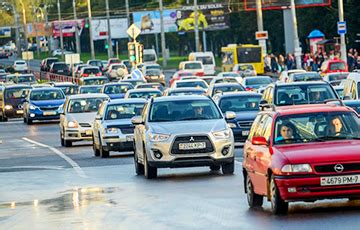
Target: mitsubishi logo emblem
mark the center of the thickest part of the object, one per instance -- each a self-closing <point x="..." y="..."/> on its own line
<point x="339" y="168"/>
<point x="192" y="139"/>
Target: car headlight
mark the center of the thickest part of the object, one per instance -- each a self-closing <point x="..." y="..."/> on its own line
<point x="232" y="125"/>
<point x="72" y="124"/>
<point x="298" y="168"/>
<point x="8" y="107"/>
<point x="155" y="137"/>
<point x="33" y="107"/>
<point x="111" y="130"/>
<point x="223" y="134"/>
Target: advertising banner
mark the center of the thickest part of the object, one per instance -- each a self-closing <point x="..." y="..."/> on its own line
<point x="5" y="32"/>
<point x="149" y="21"/>
<point x="118" y="28"/>
<point x="284" y="4"/>
<point x="38" y="29"/>
<point x="68" y="27"/>
<point x="213" y="16"/>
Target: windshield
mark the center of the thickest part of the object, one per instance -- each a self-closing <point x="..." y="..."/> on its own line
<point x="337" y="66"/>
<point x="68" y="90"/>
<point x="60" y="66"/>
<point x="337" y="77"/>
<point x="246" y="67"/>
<point x="195" y="84"/>
<point x="153" y="72"/>
<point x="303" y="94"/>
<point x="192" y="66"/>
<point x="152" y="86"/>
<point x="50" y="61"/>
<point x="340" y="92"/>
<point x="358" y="89"/>
<point x="16" y="93"/>
<point x="149" y="58"/>
<point x="96" y="63"/>
<point x="93" y="89"/>
<point x="230" y="75"/>
<point x="226" y="80"/>
<point x="85" y="105"/>
<point x="316" y="127"/>
<point x="239" y="104"/>
<point x="45" y="95"/>
<point x="117" y="89"/>
<point x="124" y="111"/>
<point x="101" y="81"/>
<point x="258" y="81"/>
<point x="91" y="71"/>
<point x="206" y="60"/>
<point x="228" y="88"/>
<point x="116" y="67"/>
<point x="187" y="92"/>
<point x="26" y="79"/>
<point x="145" y="95"/>
<point x="307" y="77"/>
<point x="184" y="110"/>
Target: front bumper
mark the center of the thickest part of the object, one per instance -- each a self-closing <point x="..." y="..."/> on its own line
<point x="169" y="159"/>
<point x="118" y="143"/>
<point x="43" y="115"/>
<point x="13" y="113"/>
<point x="240" y="134"/>
<point x="78" y="134"/>
<point x="309" y="188"/>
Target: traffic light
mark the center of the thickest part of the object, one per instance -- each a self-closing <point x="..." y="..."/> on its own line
<point x="106" y="46"/>
<point x="139" y="53"/>
<point x="131" y="50"/>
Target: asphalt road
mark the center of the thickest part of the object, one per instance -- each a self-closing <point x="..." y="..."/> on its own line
<point x="46" y="186"/>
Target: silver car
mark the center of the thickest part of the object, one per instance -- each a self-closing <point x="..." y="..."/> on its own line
<point x="76" y="121"/>
<point x="181" y="131"/>
<point x="113" y="130"/>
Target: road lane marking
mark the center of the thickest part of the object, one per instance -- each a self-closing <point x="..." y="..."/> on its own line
<point x="33" y="167"/>
<point x="238" y="162"/>
<point x="75" y="166"/>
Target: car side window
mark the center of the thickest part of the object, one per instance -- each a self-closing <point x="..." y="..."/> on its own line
<point x="264" y="96"/>
<point x="144" y="112"/>
<point x="255" y="126"/>
<point x="353" y="90"/>
<point x="267" y="124"/>
<point x="259" y="132"/>
<point x="102" y="109"/>
<point x="271" y="95"/>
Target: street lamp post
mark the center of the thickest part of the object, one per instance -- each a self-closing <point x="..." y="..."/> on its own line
<point x="342" y="35"/>
<point x="197" y="43"/>
<point x="296" y="36"/>
<point x="24" y="21"/>
<point x="60" y="28"/>
<point x="90" y="31"/>
<point x="110" y="47"/>
<point x="163" y="44"/>
<point x="77" y="36"/>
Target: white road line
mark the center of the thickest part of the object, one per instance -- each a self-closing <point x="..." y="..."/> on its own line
<point x="238" y="162"/>
<point x="75" y="166"/>
<point x="33" y="167"/>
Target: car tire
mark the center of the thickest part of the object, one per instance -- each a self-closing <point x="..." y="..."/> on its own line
<point x="103" y="152"/>
<point x="254" y="200"/>
<point x="139" y="168"/>
<point x="215" y="167"/>
<point x="278" y="205"/>
<point x="149" y="171"/>
<point x="24" y="119"/>
<point x="62" y="141"/>
<point x="228" y="168"/>
<point x="96" y="150"/>
<point x="28" y="121"/>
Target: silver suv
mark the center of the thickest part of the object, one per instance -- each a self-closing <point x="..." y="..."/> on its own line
<point x="181" y="131"/>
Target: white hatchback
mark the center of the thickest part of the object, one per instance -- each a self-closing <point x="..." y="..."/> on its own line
<point x="20" y="66"/>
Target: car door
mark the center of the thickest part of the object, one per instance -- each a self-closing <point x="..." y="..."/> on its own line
<point x="98" y="122"/>
<point x="139" y="135"/>
<point x="63" y="114"/>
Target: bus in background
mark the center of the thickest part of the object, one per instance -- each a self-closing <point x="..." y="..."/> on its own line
<point x="242" y="54"/>
<point x="207" y="59"/>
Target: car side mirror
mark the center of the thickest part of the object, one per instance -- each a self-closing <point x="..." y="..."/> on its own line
<point x="229" y="115"/>
<point x="259" y="141"/>
<point x="137" y="120"/>
<point x="263" y="102"/>
<point x="98" y="117"/>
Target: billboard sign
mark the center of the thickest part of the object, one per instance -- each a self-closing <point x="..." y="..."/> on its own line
<point x="250" y="5"/>
<point x="37" y="29"/>
<point x="5" y="32"/>
<point x="213" y="16"/>
<point x="68" y="27"/>
<point x="149" y="21"/>
<point x="118" y="28"/>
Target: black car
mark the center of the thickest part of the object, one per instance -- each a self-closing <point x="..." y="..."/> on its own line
<point x="46" y="63"/>
<point x="246" y="107"/>
<point x="60" y="68"/>
<point x="12" y="98"/>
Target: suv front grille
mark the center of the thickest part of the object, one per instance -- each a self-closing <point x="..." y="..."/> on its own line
<point x="330" y="168"/>
<point x="85" y="125"/>
<point x="186" y="139"/>
<point x="245" y="124"/>
<point x="49" y="108"/>
<point x="125" y="129"/>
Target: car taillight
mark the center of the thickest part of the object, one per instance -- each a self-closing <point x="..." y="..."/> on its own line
<point x="98" y="74"/>
<point x="85" y="75"/>
<point x="248" y="89"/>
<point x="199" y="74"/>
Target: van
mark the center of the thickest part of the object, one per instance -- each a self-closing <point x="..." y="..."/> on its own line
<point x="11" y="99"/>
<point x="352" y="87"/>
<point x="207" y="59"/>
<point x="149" y="56"/>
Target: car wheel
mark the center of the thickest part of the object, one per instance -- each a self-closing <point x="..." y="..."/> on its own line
<point x="24" y="119"/>
<point x="149" y="171"/>
<point x="278" y="205"/>
<point x="96" y="150"/>
<point x="62" y="141"/>
<point x="139" y="168"/>
<point x="28" y="121"/>
<point x="215" y="167"/>
<point x="228" y="168"/>
<point x="254" y="200"/>
<point x="103" y="152"/>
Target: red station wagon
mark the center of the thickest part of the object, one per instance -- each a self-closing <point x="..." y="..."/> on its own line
<point x="302" y="153"/>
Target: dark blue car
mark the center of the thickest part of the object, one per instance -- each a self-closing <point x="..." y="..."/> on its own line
<point x="354" y="104"/>
<point x="246" y="107"/>
<point x="43" y="104"/>
<point x="116" y="90"/>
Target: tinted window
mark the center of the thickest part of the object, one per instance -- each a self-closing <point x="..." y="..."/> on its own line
<point x="183" y="110"/>
<point x="238" y="104"/>
<point x="358" y="89"/>
<point x="258" y="81"/>
<point x="91" y="71"/>
<point x="307" y="77"/>
<point x="50" y="61"/>
<point x="191" y="84"/>
<point x="192" y="66"/>
<point x="93" y="89"/>
<point x="249" y="55"/>
<point x="116" y="89"/>
<point x="16" y="93"/>
<point x="145" y="95"/>
<point x="124" y="111"/>
<point x="230" y="88"/>
<point x="45" y="95"/>
<point x="60" y="66"/>
<point x="337" y="77"/>
<point x="205" y="60"/>
<point x="85" y="105"/>
<point x="26" y="79"/>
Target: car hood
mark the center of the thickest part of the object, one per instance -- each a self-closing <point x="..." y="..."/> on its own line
<point x="82" y="117"/>
<point x="49" y="103"/>
<point x="321" y="152"/>
<point x="118" y="122"/>
<point x="116" y="96"/>
<point x="246" y="116"/>
<point x="188" y="127"/>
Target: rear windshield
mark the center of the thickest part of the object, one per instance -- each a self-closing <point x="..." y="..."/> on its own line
<point x="45" y="95"/>
<point x="26" y="79"/>
<point x="149" y="58"/>
<point x="101" y="81"/>
<point x="230" y="88"/>
<point x="145" y="95"/>
<point x="307" y="77"/>
<point x="69" y="90"/>
<point x="337" y="66"/>
<point x="60" y="66"/>
<point x="206" y="60"/>
<point x="192" y="66"/>
<point x="96" y="63"/>
<point x="117" y="89"/>
<point x="241" y="103"/>
<point x="200" y="84"/>
<point x="20" y="63"/>
<point x="50" y="61"/>
<point x="258" y="81"/>
<point x="337" y="77"/>
<point x="91" y="71"/>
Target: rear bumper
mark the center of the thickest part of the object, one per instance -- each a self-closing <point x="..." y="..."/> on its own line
<point x="118" y="143"/>
<point x="80" y="134"/>
<point x="309" y="188"/>
<point x="13" y="113"/>
<point x="191" y="162"/>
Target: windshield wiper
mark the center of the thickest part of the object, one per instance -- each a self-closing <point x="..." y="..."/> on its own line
<point x="291" y="140"/>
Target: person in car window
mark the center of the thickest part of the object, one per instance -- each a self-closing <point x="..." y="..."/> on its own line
<point x="287" y="133"/>
<point x="315" y="96"/>
<point x="199" y="111"/>
<point x="336" y="127"/>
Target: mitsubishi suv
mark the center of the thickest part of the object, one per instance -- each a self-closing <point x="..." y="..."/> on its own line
<point x="182" y="131"/>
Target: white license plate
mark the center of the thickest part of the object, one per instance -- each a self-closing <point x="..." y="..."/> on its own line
<point x="49" y="113"/>
<point x="189" y="146"/>
<point x="88" y="132"/>
<point x="245" y="133"/>
<point x="19" y="112"/>
<point x="130" y="138"/>
<point x="60" y="71"/>
<point x="339" y="180"/>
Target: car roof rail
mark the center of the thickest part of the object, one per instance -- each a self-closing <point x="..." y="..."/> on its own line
<point x="331" y="101"/>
